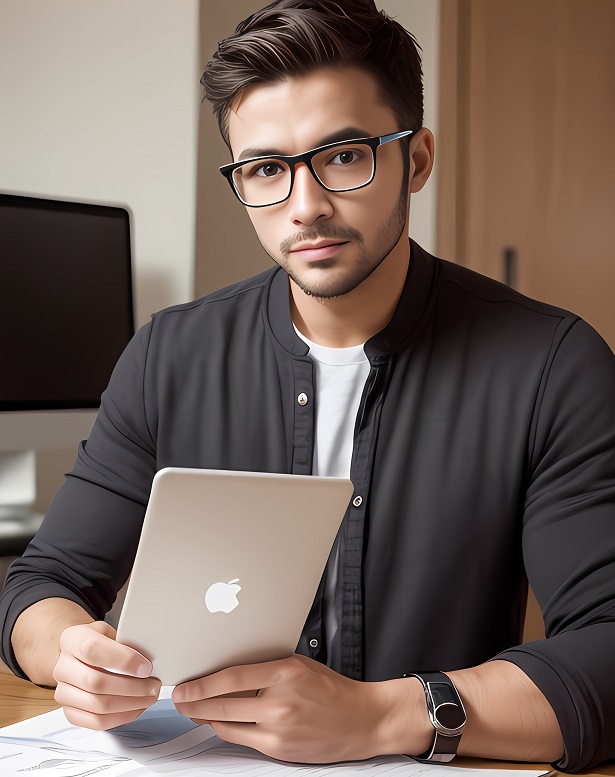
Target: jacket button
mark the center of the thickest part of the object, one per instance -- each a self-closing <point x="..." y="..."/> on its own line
<point x="313" y="643"/>
<point x="357" y="501"/>
<point x="302" y="399"/>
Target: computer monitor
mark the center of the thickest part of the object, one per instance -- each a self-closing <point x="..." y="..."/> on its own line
<point x="66" y="314"/>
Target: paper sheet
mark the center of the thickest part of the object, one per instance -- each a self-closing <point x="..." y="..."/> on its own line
<point x="162" y="741"/>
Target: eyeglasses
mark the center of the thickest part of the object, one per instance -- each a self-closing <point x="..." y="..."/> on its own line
<point x="338" y="167"/>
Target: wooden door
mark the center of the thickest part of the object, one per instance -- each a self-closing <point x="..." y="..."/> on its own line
<point x="527" y="153"/>
<point x="527" y="147"/>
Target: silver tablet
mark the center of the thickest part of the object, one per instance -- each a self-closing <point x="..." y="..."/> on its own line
<point x="227" y="567"/>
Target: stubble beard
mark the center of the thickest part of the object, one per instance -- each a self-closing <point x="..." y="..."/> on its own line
<point x="389" y="233"/>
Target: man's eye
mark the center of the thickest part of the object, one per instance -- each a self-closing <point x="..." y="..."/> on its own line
<point x="268" y="170"/>
<point x="345" y="157"/>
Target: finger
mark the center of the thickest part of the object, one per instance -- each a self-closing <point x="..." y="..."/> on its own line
<point x="94" y="644"/>
<point x="100" y="722"/>
<point x="103" y="628"/>
<point x="100" y="704"/>
<point x="248" y="735"/>
<point x="74" y="672"/>
<point x="269" y="743"/>
<point x="236" y="710"/>
<point x="234" y="679"/>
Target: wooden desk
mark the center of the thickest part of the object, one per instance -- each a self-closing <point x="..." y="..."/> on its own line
<point x="20" y="699"/>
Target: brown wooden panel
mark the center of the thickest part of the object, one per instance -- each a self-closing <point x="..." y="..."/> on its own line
<point x="534" y="123"/>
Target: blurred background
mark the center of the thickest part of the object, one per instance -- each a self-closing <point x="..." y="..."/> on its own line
<point x="100" y="101"/>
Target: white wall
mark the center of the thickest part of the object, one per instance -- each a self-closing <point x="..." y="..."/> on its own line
<point x="422" y="18"/>
<point x="99" y="101"/>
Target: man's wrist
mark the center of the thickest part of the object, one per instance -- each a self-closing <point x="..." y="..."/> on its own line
<point x="36" y="636"/>
<point x="404" y="727"/>
<point x="446" y="714"/>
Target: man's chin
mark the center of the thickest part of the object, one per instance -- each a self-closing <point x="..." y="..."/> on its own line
<point x="326" y="289"/>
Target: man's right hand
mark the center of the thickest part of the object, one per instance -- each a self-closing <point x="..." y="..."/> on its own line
<point x="100" y="682"/>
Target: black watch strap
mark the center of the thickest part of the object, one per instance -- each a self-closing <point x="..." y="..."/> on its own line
<point x="446" y="713"/>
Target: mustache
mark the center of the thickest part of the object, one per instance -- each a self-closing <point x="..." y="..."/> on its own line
<point x="320" y="231"/>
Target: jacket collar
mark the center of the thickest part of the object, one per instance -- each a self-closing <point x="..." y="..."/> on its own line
<point x="403" y="327"/>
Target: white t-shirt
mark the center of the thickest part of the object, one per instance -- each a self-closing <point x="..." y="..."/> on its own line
<point x="340" y="378"/>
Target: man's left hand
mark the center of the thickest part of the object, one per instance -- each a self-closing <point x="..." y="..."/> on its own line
<point x="304" y="711"/>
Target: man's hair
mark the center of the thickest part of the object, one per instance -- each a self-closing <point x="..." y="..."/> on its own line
<point x="295" y="37"/>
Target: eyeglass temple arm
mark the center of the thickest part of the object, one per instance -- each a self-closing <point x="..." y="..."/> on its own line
<point x="395" y="136"/>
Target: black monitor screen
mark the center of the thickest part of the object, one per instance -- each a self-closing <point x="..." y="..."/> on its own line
<point x="65" y="301"/>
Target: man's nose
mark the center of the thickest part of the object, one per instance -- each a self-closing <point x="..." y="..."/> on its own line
<point x="309" y="202"/>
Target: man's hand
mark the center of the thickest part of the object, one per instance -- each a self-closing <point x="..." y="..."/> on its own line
<point x="304" y="711"/>
<point x="101" y="683"/>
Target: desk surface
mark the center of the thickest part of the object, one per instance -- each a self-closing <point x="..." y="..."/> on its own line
<point x="20" y="699"/>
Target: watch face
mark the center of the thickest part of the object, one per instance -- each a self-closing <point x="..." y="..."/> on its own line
<point x="449" y="715"/>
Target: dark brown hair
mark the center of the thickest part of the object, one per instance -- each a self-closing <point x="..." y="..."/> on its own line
<point x="294" y="37"/>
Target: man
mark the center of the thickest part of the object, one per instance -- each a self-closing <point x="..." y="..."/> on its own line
<point x="477" y="426"/>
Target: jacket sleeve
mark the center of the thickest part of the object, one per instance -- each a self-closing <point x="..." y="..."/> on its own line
<point x="87" y="542"/>
<point x="569" y="545"/>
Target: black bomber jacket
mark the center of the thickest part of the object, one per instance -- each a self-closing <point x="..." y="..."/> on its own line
<point x="484" y="456"/>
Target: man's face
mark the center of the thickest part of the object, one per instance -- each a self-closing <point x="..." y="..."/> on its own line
<point x="327" y="242"/>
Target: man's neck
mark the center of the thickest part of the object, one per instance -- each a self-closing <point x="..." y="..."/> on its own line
<point x="353" y="318"/>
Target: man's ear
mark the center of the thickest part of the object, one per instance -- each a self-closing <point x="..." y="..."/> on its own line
<point x="422" y="150"/>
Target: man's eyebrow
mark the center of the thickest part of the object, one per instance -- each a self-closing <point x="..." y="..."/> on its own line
<point x="348" y="133"/>
<point x="249" y="153"/>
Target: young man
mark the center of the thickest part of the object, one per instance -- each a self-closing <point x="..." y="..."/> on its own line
<point x="477" y="426"/>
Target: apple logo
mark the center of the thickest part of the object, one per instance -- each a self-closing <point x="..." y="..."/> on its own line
<point x="222" y="597"/>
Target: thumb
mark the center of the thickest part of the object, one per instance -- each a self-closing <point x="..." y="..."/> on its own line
<point x="104" y="628"/>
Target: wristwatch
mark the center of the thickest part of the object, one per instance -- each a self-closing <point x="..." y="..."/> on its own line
<point x="446" y="714"/>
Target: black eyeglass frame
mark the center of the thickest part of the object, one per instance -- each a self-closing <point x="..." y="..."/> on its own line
<point x="293" y="161"/>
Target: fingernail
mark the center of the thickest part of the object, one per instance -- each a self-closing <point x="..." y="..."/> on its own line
<point x="144" y="670"/>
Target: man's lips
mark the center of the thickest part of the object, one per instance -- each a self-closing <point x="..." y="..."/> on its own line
<point x="320" y="250"/>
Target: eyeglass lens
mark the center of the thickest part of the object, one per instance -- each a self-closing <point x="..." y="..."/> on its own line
<point x="340" y="169"/>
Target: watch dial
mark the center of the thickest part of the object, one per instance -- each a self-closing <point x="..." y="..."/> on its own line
<point x="449" y="715"/>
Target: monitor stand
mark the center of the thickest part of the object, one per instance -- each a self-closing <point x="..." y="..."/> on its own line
<point x="18" y="521"/>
